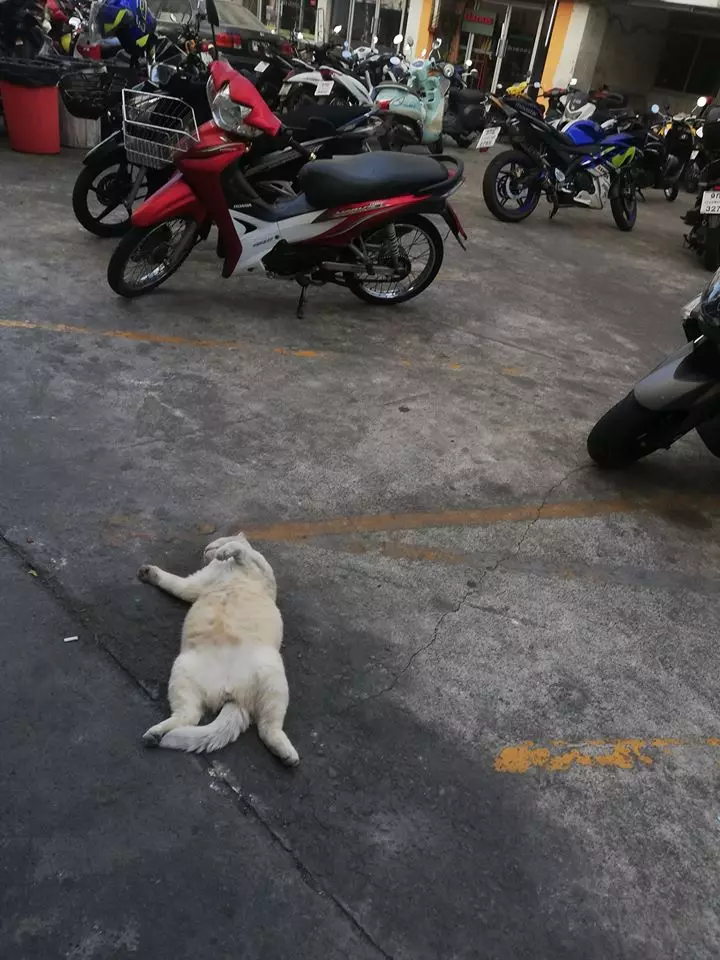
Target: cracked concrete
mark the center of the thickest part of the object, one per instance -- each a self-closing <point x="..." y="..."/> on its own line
<point x="136" y="432"/>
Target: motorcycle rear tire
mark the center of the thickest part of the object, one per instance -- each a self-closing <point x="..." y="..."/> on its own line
<point x="359" y="287"/>
<point x="624" y="434"/>
<point x="436" y="147"/>
<point x="490" y="192"/>
<point x="671" y="192"/>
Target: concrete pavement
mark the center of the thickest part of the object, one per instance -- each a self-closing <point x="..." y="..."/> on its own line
<point x="455" y="578"/>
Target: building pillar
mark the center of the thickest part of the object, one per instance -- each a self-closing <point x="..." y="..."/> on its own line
<point x="575" y="44"/>
<point x="418" y="25"/>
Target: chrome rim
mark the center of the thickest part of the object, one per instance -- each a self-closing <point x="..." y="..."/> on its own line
<point x="158" y="252"/>
<point x="108" y="192"/>
<point x="410" y="253"/>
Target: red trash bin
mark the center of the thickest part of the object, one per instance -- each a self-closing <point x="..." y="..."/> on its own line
<point x="32" y="117"/>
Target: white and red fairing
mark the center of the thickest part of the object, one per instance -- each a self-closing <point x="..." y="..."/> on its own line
<point x="196" y="192"/>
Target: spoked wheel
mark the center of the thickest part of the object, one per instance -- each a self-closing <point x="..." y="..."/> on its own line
<point x="624" y="205"/>
<point x="100" y="194"/>
<point x="412" y="248"/>
<point x="147" y="256"/>
<point x="510" y="188"/>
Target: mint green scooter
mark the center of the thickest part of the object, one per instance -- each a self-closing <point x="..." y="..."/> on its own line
<point x="415" y="109"/>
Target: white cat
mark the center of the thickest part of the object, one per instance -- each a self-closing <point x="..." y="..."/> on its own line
<point x="229" y="657"/>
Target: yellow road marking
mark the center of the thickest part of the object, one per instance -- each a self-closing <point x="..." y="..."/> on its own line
<point x="198" y="342"/>
<point x="560" y="756"/>
<point x="480" y="516"/>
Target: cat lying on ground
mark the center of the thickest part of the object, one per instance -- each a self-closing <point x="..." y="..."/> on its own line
<point x="229" y="657"/>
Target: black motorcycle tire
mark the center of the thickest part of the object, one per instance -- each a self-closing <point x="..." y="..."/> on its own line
<point x="81" y="209"/>
<point x="463" y="139"/>
<point x="490" y="193"/>
<point x="436" y="147"/>
<point x="711" y="249"/>
<point x="671" y="192"/>
<point x="623" y="220"/>
<point x="356" y="286"/>
<point x="623" y="435"/>
<point x="692" y="177"/>
<point x="123" y="253"/>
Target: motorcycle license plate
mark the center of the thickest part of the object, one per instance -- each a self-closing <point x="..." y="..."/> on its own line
<point x="323" y="88"/>
<point x="487" y="138"/>
<point x="694" y="154"/>
<point x="262" y="66"/>
<point x="710" y="202"/>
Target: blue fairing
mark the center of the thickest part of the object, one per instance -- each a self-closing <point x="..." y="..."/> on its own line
<point x="584" y="132"/>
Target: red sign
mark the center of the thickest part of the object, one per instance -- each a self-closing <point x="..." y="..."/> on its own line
<point x="479" y="18"/>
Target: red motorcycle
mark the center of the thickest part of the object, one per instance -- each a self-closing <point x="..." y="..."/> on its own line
<point x="359" y="221"/>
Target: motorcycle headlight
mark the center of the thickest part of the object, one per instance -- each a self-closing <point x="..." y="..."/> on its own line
<point x="231" y="116"/>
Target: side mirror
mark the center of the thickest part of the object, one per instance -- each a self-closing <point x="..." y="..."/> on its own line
<point x="395" y="61"/>
<point x="337" y="29"/>
<point x="702" y="101"/>
<point x="573" y="82"/>
<point x="437" y="43"/>
<point x="212" y="14"/>
<point x="468" y="63"/>
<point x="655" y="108"/>
<point x="398" y="38"/>
<point x="536" y="85"/>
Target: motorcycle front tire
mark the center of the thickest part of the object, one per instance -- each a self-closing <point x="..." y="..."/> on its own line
<point x="436" y="147"/>
<point x="463" y="139"/>
<point x="671" y="192"/>
<point x="490" y="190"/>
<point x="628" y="432"/>
<point x="82" y="188"/>
<point x="624" y="213"/>
<point x="711" y="250"/>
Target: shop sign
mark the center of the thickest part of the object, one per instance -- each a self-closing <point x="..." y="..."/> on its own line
<point x="480" y="22"/>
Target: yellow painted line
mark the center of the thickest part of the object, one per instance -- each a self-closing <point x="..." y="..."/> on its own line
<point x="481" y="516"/>
<point x="204" y="343"/>
<point x="561" y="756"/>
<point x="141" y="337"/>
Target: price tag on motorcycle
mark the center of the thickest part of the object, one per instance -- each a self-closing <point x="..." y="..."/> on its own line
<point x="262" y="66"/>
<point x="487" y="138"/>
<point x="206" y="58"/>
<point x="323" y="88"/>
<point x="693" y="155"/>
<point x="710" y="202"/>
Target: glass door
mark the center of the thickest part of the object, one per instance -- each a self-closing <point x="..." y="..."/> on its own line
<point x="518" y="44"/>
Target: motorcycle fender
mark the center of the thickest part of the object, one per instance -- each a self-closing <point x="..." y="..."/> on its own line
<point x="106" y="149"/>
<point x="685" y="379"/>
<point x="175" y="199"/>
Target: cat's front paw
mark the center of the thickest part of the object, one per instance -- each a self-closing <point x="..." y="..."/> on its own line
<point x="147" y="574"/>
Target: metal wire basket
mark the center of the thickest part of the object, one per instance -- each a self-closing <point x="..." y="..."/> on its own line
<point x="156" y="128"/>
<point x="89" y="93"/>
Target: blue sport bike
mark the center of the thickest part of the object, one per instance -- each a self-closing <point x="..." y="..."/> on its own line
<point x="581" y="166"/>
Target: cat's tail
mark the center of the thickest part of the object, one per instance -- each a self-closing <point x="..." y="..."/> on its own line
<point x="225" y="728"/>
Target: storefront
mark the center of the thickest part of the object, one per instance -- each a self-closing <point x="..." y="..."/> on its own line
<point x="503" y="40"/>
<point x="657" y="51"/>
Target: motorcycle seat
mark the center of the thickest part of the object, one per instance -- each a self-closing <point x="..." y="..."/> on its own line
<point x="316" y="119"/>
<point x="367" y="176"/>
<point x="466" y="97"/>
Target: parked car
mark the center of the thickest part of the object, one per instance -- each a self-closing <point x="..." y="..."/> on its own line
<point x="240" y="37"/>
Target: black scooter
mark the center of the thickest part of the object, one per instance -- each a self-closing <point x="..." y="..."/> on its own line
<point x="704" y="218"/>
<point x="681" y="394"/>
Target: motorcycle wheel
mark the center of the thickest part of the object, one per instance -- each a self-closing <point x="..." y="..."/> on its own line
<point x="109" y="184"/>
<point x="419" y="253"/>
<point x="148" y="256"/>
<point x="464" y="139"/>
<point x="711" y="250"/>
<point x="436" y="147"/>
<point x="628" y="432"/>
<point x="500" y="187"/>
<point x="624" y="205"/>
<point x="671" y="193"/>
<point x="692" y="177"/>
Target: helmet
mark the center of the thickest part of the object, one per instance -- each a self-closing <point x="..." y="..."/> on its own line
<point x="128" y="20"/>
